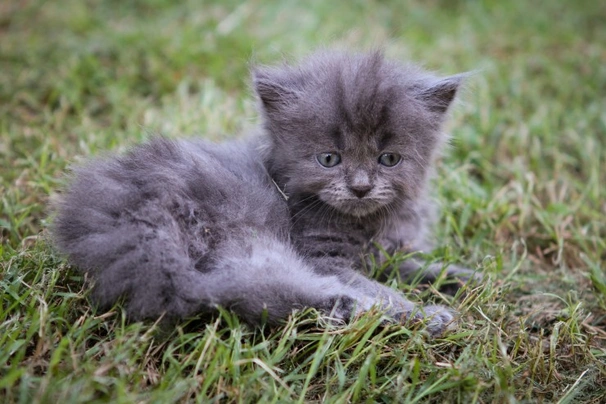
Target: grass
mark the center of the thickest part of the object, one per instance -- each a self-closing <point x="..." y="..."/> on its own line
<point x="522" y="190"/>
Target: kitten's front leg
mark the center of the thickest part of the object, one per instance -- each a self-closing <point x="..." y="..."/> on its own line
<point x="437" y="318"/>
<point x="456" y="276"/>
<point x="366" y="293"/>
<point x="276" y="282"/>
<point x="415" y="269"/>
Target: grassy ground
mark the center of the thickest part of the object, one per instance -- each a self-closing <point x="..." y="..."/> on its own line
<point x="523" y="190"/>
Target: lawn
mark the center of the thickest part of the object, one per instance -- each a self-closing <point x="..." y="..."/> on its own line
<point x="522" y="190"/>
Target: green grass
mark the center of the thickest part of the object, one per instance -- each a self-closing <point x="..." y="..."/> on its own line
<point x="523" y="191"/>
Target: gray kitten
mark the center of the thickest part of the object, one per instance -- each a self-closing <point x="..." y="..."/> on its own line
<point x="278" y="222"/>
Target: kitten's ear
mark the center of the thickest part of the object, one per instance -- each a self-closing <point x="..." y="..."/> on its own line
<point x="273" y="92"/>
<point x="439" y="95"/>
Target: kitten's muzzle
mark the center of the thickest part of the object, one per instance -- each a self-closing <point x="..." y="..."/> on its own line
<point x="360" y="191"/>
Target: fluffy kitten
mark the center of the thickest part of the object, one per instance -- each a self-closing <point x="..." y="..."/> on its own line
<point x="181" y="227"/>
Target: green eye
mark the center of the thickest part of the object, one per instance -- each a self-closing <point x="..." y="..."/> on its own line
<point x="389" y="159"/>
<point x="328" y="159"/>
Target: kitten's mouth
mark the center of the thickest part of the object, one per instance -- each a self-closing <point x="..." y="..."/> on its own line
<point x="356" y="207"/>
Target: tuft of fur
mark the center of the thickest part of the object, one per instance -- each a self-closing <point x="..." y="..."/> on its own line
<point x="176" y="228"/>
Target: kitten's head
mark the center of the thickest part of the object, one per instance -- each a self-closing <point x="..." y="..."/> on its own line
<point x="358" y="131"/>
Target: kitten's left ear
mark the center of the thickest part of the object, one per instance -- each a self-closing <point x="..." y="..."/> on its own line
<point x="439" y="95"/>
<point x="273" y="89"/>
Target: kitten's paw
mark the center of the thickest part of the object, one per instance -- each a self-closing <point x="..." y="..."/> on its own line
<point x="437" y="319"/>
<point x="340" y="308"/>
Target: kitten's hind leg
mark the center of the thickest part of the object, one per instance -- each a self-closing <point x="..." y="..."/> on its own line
<point x="138" y="258"/>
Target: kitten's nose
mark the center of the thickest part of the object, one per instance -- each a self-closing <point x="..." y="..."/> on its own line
<point x="360" y="190"/>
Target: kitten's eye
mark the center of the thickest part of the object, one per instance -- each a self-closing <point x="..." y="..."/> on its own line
<point x="328" y="159"/>
<point x="389" y="159"/>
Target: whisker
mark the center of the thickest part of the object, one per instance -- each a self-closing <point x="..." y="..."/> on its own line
<point x="300" y="214"/>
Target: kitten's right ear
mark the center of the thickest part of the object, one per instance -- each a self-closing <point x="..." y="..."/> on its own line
<point x="273" y="94"/>
<point x="439" y="95"/>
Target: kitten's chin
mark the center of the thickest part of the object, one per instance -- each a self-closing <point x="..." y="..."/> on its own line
<point x="358" y="207"/>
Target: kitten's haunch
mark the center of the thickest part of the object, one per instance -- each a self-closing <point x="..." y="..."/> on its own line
<point x="180" y="227"/>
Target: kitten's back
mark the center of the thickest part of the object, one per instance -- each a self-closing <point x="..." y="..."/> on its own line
<point x="146" y="225"/>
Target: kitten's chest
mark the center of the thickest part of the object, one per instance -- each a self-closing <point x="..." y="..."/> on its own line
<point x="320" y="234"/>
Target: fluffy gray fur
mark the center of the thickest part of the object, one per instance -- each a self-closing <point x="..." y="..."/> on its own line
<point x="177" y="228"/>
